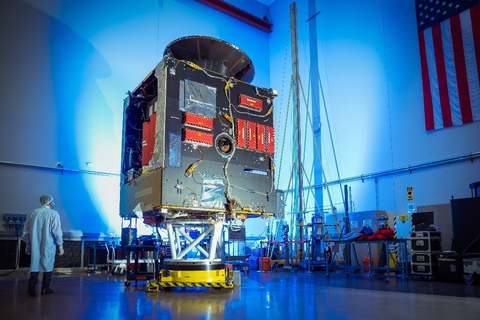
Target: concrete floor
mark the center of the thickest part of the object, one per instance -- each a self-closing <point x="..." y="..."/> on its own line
<point x="271" y="295"/>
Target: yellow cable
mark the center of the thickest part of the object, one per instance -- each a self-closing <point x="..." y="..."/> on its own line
<point x="243" y="224"/>
<point x="194" y="165"/>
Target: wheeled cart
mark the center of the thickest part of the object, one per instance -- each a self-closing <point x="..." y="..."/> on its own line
<point x="139" y="269"/>
<point x="471" y="270"/>
<point x="449" y="267"/>
<point x="401" y="266"/>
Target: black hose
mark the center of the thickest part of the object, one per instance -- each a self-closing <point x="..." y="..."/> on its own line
<point x="17" y="260"/>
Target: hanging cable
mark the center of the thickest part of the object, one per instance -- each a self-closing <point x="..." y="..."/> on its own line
<point x="327" y="118"/>
<point x="225" y="167"/>
<point x="285" y="133"/>
<point x="194" y="165"/>
<point x="318" y="153"/>
<point x="17" y="259"/>
<point x="389" y="106"/>
<point x="330" y="129"/>
<point x="237" y="229"/>
<point x="284" y="77"/>
<point x="328" y="121"/>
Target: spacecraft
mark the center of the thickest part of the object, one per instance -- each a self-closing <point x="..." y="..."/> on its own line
<point x="198" y="152"/>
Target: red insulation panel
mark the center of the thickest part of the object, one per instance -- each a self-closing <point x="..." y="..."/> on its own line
<point x="250" y="103"/>
<point x="148" y="139"/>
<point x="260" y="128"/>
<point x="270" y="140"/>
<point x="198" y="121"/>
<point x="251" y="136"/>
<point x="242" y="133"/>
<point x="146" y="143"/>
<point x="195" y="136"/>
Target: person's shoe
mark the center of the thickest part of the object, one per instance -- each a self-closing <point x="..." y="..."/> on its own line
<point x="47" y="291"/>
<point x="32" y="290"/>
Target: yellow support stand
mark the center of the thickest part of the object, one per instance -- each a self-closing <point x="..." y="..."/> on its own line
<point x="196" y="278"/>
<point x="193" y="274"/>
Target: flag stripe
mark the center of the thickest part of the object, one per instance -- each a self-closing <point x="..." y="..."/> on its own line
<point x="441" y="74"/>
<point x="470" y="60"/>
<point x="475" y="20"/>
<point x="461" y="70"/>
<point x="475" y="87"/>
<point x="427" y="94"/>
<point x="432" y="78"/>
<point x="451" y="73"/>
<point x="449" y="42"/>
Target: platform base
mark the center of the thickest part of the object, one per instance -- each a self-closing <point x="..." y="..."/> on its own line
<point x="186" y="274"/>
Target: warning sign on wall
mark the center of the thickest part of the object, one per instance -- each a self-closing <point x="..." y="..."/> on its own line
<point x="409" y="193"/>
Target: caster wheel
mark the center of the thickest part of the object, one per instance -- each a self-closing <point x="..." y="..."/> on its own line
<point x="387" y="280"/>
<point x="328" y="276"/>
<point x="468" y="278"/>
<point x="127" y="283"/>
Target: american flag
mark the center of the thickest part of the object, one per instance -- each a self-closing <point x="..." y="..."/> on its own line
<point x="449" y="38"/>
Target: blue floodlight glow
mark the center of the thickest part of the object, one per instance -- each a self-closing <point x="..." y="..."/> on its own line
<point x="86" y="132"/>
<point x="96" y="55"/>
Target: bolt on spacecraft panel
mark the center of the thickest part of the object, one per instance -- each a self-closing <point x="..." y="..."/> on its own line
<point x="196" y="139"/>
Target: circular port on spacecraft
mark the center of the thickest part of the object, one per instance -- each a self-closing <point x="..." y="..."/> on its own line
<point x="224" y="145"/>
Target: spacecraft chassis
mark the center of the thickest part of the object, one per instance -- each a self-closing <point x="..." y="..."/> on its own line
<point x="164" y="186"/>
<point x="198" y="151"/>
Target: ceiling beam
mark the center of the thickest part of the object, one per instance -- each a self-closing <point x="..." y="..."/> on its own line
<point x="239" y="14"/>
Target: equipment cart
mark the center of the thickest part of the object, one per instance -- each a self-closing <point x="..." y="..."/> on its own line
<point x="401" y="265"/>
<point x="136" y="271"/>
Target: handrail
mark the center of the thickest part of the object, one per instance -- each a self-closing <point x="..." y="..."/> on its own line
<point x="466" y="156"/>
<point x="62" y="169"/>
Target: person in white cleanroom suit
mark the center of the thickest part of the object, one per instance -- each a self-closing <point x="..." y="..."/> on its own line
<point x="42" y="234"/>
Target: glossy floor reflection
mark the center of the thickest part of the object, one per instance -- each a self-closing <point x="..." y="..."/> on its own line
<point x="271" y="295"/>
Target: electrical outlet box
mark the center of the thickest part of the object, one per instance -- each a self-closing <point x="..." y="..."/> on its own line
<point x="14" y="222"/>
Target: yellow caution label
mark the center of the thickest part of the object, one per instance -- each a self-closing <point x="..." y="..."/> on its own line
<point x="177" y="284"/>
<point x="153" y="286"/>
<point x="403" y="218"/>
<point x="196" y="278"/>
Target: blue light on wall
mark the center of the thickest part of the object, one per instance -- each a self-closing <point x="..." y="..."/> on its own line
<point x="99" y="53"/>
